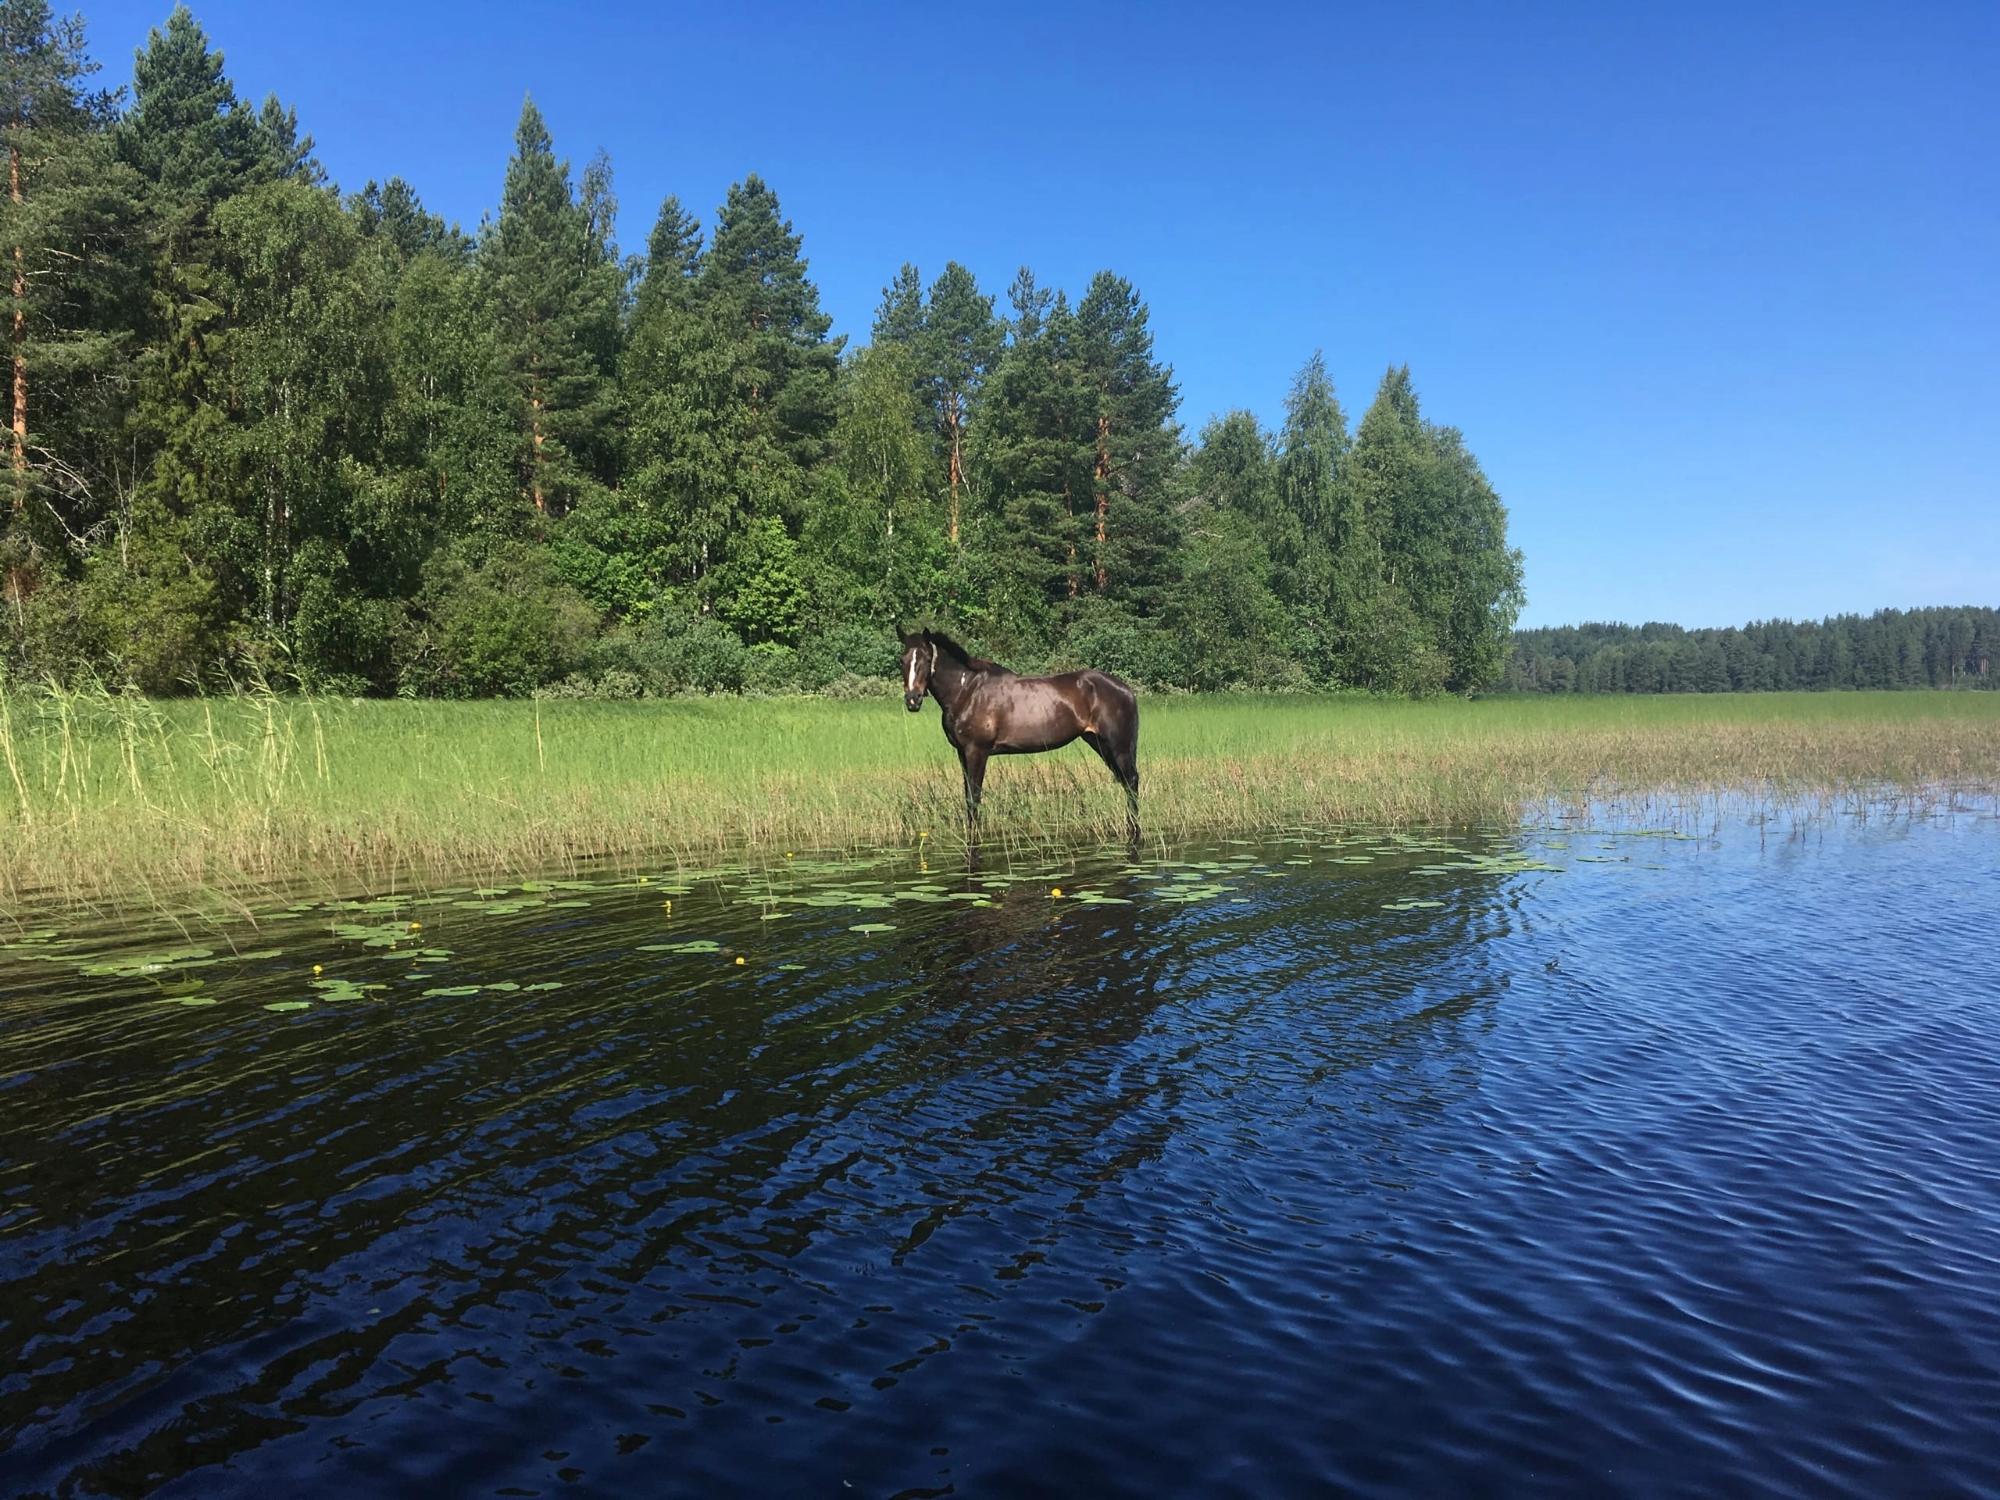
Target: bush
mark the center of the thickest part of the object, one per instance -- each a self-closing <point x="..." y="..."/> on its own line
<point x="42" y="630"/>
<point x="1112" y="643"/>
<point x="153" y="616"/>
<point x="503" y="628"/>
<point x="611" y="686"/>
<point x="849" y="649"/>
<point x="848" y="686"/>
<point x="342" y="640"/>
<point x="706" y="657"/>
<point x="771" y="669"/>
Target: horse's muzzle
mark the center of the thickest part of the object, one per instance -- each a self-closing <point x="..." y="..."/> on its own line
<point x="913" y="701"/>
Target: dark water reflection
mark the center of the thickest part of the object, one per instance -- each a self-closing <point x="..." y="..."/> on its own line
<point x="1673" y="1170"/>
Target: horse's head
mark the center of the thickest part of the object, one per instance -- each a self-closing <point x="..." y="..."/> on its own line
<point x="919" y="656"/>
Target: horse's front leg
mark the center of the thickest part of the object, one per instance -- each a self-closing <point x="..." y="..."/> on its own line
<point x="973" y="759"/>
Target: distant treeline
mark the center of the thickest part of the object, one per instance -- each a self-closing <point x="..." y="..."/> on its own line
<point x="1892" y="648"/>
<point x="262" y="428"/>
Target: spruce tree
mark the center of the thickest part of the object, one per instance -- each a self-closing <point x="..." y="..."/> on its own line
<point x="900" y="318"/>
<point x="959" y="345"/>
<point x="554" y="284"/>
<point x="194" y="146"/>
<point x="1134" y="443"/>
<point x="187" y="135"/>
<point x="673" y="261"/>
<point x="686" y="427"/>
<point x="1034" y="438"/>
<point x="754" y="283"/>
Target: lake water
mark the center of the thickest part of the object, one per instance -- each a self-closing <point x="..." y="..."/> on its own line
<point x="1555" y="1161"/>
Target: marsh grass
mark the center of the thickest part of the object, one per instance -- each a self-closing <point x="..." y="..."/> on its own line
<point x="123" y="802"/>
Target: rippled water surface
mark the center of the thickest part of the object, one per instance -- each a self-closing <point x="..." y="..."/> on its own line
<point x="1554" y="1161"/>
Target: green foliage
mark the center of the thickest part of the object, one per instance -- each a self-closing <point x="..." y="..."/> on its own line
<point x="333" y="438"/>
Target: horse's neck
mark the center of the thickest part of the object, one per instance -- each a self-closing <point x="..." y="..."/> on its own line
<point x="949" y="682"/>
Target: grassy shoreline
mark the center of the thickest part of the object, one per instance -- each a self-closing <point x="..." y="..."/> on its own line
<point x="131" y="803"/>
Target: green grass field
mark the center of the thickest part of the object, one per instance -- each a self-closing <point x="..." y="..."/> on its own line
<point x="130" y="802"/>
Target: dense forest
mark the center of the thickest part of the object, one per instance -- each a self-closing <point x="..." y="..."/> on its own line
<point x="1937" y="648"/>
<point x="262" y="429"/>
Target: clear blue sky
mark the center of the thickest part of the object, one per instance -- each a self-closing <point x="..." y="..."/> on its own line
<point x="1710" y="289"/>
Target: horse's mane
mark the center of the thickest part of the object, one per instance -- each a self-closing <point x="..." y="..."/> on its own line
<point x="959" y="654"/>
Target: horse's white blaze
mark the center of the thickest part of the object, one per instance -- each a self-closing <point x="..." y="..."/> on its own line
<point x="913" y="672"/>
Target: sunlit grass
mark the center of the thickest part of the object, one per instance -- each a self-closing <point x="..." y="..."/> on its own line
<point x="131" y="802"/>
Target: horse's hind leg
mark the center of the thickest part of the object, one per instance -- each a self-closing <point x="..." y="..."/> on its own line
<point x="1124" y="763"/>
<point x="1128" y="772"/>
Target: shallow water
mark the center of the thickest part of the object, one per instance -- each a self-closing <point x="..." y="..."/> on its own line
<point x="1339" y="1161"/>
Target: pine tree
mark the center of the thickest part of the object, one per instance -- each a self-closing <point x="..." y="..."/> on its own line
<point x="554" y="283"/>
<point x="70" y="217"/>
<point x="285" y="155"/>
<point x="392" y="213"/>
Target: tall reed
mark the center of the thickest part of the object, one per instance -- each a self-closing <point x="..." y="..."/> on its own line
<point x="115" y="799"/>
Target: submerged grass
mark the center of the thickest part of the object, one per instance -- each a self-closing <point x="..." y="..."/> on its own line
<point x="125" y="802"/>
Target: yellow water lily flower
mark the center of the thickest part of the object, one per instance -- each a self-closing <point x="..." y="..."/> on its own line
<point x="739" y="958"/>
<point x="416" y="927"/>
<point x="316" y="968"/>
<point x="667" y="906"/>
<point x="1056" y="892"/>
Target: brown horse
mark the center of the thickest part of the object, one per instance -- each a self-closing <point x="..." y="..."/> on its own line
<point x="990" y="711"/>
